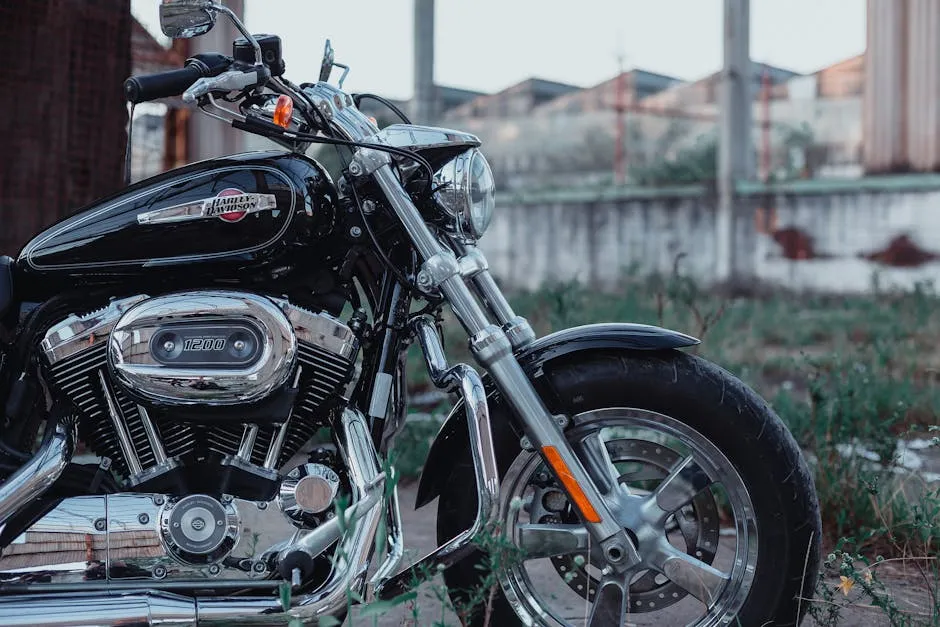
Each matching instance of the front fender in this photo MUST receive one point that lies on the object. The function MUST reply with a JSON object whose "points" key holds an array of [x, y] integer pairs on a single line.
{"points": [[453, 434]]}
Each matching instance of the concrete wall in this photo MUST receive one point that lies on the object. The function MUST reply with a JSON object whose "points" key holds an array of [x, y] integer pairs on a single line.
{"points": [[812, 235]]}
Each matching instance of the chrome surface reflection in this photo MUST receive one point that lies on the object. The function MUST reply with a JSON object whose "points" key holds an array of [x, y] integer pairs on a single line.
{"points": [[133, 365], [116, 540]]}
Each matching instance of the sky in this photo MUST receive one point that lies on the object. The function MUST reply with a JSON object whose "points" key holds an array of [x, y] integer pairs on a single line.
{"points": [[487, 45]]}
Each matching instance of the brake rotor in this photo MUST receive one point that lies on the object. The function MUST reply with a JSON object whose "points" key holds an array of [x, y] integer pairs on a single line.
{"points": [[696, 523]]}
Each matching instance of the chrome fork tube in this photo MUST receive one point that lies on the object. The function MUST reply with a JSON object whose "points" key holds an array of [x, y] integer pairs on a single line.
{"points": [[39, 473], [493, 350], [474, 266]]}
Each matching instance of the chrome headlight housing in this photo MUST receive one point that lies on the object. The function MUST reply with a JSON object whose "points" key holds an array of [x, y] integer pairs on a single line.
{"points": [[467, 192]]}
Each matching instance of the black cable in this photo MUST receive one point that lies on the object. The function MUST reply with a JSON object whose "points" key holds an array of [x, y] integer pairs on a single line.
{"points": [[401, 278], [6, 449], [261, 128], [359, 97]]}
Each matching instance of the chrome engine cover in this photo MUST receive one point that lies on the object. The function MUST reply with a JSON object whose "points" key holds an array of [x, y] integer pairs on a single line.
{"points": [[125, 538], [206, 348]]}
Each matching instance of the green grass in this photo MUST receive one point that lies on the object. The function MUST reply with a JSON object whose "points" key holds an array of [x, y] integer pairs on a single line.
{"points": [[857, 370]]}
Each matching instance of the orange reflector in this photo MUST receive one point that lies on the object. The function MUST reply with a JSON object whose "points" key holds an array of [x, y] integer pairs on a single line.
{"points": [[283, 111], [553, 457]]}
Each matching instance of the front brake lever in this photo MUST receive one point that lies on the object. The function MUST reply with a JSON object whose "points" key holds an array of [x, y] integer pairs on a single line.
{"points": [[233, 80]]}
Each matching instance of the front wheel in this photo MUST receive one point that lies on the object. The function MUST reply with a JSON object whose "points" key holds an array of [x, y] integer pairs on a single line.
{"points": [[715, 494]]}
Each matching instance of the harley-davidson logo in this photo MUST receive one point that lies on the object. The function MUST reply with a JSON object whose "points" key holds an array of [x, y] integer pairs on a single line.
{"points": [[229, 205]]}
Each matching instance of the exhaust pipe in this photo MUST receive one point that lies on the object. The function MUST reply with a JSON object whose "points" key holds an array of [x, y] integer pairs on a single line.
{"points": [[39, 473], [149, 608], [161, 609]]}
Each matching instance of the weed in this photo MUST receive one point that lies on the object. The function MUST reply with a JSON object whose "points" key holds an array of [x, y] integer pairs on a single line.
{"points": [[853, 377]]}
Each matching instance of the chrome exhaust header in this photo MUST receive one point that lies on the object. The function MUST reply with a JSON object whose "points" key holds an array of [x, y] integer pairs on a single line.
{"points": [[467, 383], [39, 473], [356, 536]]}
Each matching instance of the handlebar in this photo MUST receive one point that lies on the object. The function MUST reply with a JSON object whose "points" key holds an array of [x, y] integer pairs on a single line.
{"points": [[174, 82]]}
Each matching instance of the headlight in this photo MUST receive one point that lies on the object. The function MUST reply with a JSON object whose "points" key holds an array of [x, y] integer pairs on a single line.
{"points": [[468, 192]]}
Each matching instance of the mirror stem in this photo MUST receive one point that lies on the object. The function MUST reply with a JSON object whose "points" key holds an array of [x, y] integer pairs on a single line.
{"points": [[241, 28]]}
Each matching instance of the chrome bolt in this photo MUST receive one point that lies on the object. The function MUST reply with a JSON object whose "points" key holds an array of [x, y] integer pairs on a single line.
{"points": [[101, 524], [214, 569], [168, 346], [259, 567], [355, 169], [355, 231], [159, 572], [219, 523], [561, 421], [226, 498], [158, 499], [176, 525], [525, 443], [614, 554], [239, 345], [262, 505], [424, 280], [368, 207], [143, 518]]}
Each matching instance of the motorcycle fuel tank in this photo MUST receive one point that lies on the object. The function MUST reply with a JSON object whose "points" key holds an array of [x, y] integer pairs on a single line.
{"points": [[221, 215]]}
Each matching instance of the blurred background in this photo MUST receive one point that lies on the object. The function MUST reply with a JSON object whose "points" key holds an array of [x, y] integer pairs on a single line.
{"points": [[790, 143]]}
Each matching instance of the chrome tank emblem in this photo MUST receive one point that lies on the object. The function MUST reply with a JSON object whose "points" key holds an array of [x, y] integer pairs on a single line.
{"points": [[146, 350], [229, 205]]}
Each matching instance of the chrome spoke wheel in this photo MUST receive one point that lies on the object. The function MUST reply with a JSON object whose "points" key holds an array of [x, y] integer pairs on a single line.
{"points": [[678, 496]]}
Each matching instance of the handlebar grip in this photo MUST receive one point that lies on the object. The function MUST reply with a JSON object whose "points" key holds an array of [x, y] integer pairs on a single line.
{"points": [[162, 84]]}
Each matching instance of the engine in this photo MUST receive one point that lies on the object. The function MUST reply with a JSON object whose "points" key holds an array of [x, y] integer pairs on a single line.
{"points": [[201, 392]]}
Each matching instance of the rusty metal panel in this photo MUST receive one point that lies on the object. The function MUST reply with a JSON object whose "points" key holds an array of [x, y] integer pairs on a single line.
{"points": [[843, 79], [62, 133], [923, 84], [885, 87]]}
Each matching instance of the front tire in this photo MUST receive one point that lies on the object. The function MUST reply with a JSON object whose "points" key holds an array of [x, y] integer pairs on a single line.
{"points": [[706, 402]]}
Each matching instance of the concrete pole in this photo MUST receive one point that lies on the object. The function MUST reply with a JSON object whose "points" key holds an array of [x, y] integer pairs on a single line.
{"points": [[424, 101], [208, 137], [733, 263]]}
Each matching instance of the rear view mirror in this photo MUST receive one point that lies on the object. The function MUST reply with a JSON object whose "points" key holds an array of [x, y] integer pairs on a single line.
{"points": [[185, 19]]}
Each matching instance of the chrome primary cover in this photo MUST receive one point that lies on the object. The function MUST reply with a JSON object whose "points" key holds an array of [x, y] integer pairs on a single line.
{"points": [[207, 347]]}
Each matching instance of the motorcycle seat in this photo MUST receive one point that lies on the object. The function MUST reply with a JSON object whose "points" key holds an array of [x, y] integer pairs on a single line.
{"points": [[6, 284]]}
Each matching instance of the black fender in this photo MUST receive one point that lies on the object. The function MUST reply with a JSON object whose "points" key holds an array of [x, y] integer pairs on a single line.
{"points": [[453, 434]]}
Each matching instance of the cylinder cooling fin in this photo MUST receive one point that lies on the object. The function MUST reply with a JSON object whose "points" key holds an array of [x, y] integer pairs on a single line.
{"points": [[306, 358]]}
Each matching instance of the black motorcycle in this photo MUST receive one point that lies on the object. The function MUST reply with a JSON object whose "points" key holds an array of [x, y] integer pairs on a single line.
{"points": [[198, 330]]}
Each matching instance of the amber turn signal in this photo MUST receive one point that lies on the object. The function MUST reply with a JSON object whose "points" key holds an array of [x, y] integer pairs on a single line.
{"points": [[553, 457], [283, 111]]}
